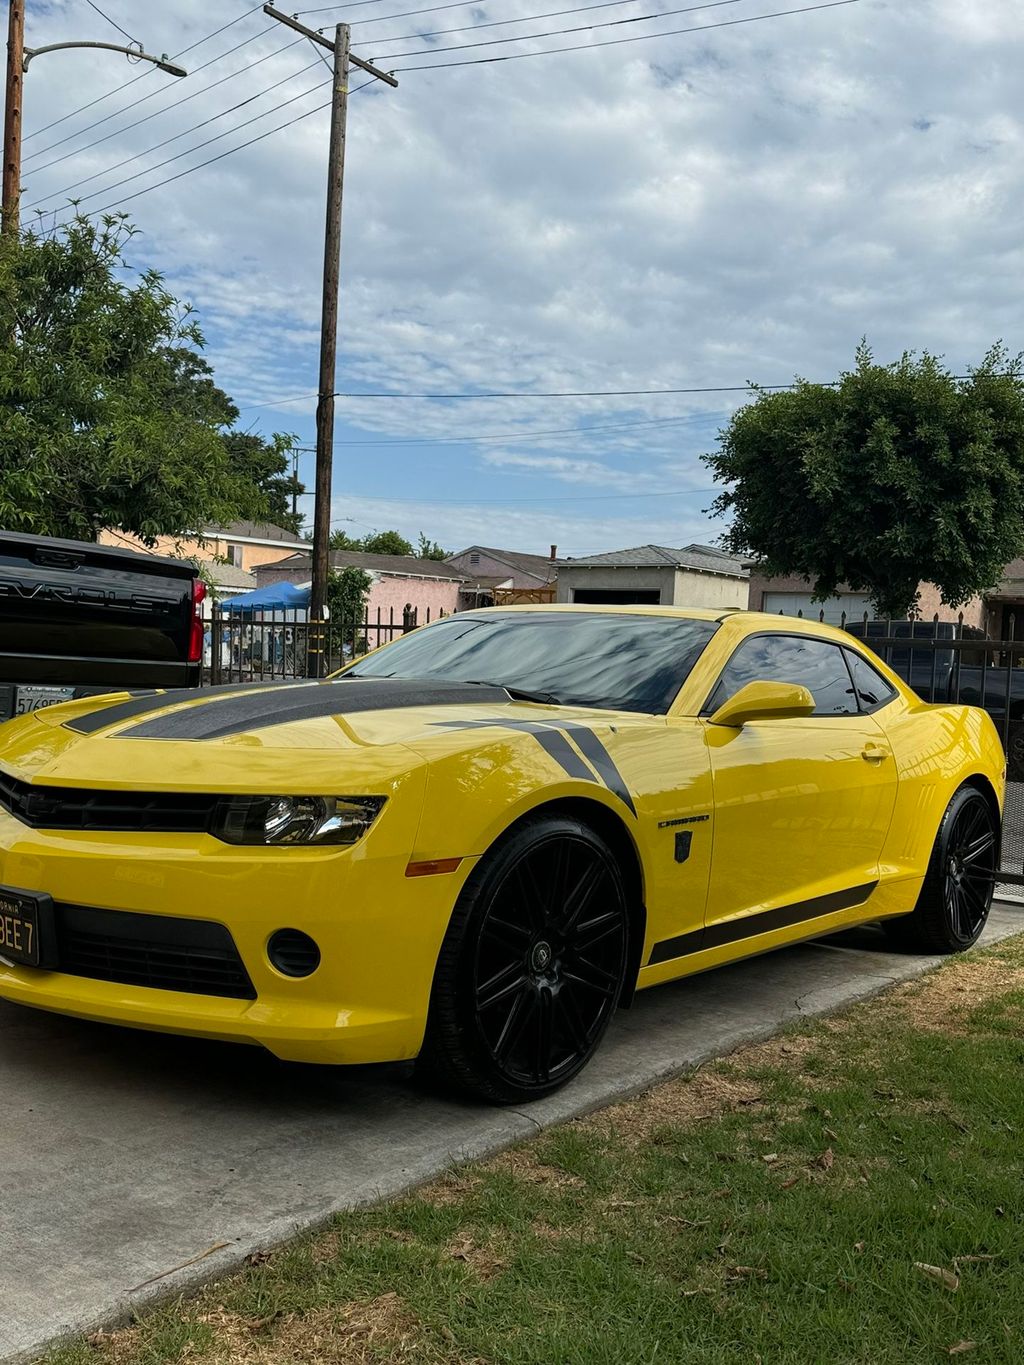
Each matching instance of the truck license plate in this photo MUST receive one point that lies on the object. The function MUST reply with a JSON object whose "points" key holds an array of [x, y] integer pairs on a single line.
{"points": [[35, 698], [19, 928]]}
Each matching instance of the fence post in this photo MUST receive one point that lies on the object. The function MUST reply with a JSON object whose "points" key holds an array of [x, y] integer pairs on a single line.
{"points": [[216, 629]]}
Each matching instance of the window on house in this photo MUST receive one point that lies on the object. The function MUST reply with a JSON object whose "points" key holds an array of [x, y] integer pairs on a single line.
{"points": [[234, 555]]}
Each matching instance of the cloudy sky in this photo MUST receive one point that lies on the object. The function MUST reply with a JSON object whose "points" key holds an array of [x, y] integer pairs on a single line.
{"points": [[695, 209]]}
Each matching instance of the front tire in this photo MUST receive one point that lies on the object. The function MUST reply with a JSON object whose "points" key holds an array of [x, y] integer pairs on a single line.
{"points": [[956, 897], [532, 965]]}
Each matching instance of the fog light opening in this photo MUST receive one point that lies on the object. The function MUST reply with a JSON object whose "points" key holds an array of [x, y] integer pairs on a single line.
{"points": [[293, 953]]}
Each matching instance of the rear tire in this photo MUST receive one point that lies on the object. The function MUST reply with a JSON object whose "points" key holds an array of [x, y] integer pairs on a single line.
{"points": [[954, 903], [532, 965]]}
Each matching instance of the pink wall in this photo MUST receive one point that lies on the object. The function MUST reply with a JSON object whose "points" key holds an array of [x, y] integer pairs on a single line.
{"points": [[437, 595]]}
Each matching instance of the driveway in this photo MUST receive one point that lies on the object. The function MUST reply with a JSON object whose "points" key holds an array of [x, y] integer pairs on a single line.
{"points": [[135, 1165]]}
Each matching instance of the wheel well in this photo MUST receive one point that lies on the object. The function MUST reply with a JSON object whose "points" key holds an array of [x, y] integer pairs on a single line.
{"points": [[981, 783], [615, 834]]}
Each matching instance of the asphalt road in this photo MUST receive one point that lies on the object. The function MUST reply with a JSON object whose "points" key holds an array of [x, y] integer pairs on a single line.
{"points": [[128, 1156]]}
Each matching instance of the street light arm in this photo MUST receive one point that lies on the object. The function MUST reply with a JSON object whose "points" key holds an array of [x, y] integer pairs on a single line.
{"points": [[133, 52]]}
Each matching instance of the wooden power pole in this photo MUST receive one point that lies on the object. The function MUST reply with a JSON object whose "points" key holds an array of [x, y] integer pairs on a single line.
{"points": [[12, 116], [343, 58]]}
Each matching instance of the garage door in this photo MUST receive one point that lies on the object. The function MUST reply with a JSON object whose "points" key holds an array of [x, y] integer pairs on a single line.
{"points": [[792, 603], [618, 597]]}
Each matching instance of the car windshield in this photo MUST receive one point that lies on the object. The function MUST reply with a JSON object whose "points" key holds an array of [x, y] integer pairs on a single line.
{"points": [[618, 662]]}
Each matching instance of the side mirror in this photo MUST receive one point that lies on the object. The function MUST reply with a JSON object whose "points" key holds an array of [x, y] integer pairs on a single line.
{"points": [[764, 701]]}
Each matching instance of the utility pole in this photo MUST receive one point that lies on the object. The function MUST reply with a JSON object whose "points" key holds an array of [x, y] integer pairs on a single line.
{"points": [[12, 115], [343, 58]]}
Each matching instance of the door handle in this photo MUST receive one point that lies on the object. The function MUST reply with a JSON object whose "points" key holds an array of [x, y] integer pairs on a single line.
{"points": [[871, 753]]}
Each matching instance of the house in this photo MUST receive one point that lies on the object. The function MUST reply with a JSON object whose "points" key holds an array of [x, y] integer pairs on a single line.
{"points": [[242, 544], [694, 576], [505, 576], [792, 596], [229, 582], [402, 585]]}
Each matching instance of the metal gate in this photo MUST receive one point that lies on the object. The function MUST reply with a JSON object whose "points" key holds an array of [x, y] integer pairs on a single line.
{"points": [[946, 661]]}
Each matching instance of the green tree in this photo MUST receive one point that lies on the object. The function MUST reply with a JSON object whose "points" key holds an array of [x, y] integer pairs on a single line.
{"points": [[109, 416], [347, 593], [386, 543], [376, 543], [895, 475], [430, 549]]}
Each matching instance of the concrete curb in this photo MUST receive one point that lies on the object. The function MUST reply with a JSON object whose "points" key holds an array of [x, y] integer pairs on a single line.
{"points": [[397, 1137]]}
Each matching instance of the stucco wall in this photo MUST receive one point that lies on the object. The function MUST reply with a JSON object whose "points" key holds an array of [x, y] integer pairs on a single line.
{"points": [[435, 595], [488, 567], [208, 549], [708, 590], [929, 604], [615, 580]]}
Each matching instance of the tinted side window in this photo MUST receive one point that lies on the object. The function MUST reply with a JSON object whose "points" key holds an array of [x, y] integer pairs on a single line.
{"points": [[814, 664], [871, 688]]}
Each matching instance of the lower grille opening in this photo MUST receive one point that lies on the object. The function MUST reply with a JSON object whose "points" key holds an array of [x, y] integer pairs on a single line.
{"points": [[159, 951]]}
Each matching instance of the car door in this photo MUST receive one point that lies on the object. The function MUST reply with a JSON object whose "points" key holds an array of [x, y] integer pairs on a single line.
{"points": [[802, 805]]}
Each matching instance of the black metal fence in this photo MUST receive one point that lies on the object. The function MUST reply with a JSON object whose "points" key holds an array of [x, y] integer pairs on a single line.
{"points": [[947, 661], [944, 661], [264, 646]]}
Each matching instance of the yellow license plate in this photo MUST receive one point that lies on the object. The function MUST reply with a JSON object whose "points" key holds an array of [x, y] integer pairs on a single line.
{"points": [[19, 928]]}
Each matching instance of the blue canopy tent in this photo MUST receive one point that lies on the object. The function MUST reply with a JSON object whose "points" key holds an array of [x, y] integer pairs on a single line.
{"points": [[274, 597]]}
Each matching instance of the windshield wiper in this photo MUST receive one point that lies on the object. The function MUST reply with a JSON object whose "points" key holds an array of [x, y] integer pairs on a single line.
{"points": [[517, 693]]}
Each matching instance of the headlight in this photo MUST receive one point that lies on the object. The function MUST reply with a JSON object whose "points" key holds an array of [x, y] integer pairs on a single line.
{"points": [[295, 819]]}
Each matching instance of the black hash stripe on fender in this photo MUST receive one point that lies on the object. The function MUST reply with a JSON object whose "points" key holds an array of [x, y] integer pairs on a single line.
{"points": [[546, 733]]}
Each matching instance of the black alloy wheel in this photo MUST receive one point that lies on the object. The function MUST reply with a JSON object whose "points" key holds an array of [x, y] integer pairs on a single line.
{"points": [[532, 966], [955, 900]]}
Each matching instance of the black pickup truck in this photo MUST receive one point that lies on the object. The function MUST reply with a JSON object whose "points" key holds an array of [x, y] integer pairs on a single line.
{"points": [[973, 671], [78, 619]]}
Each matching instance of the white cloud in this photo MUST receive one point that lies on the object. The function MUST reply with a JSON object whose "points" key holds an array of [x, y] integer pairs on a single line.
{"points": [[693, 211]]}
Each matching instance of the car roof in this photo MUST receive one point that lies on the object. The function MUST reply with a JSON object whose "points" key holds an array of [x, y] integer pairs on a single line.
{"points": [[751, 622]]}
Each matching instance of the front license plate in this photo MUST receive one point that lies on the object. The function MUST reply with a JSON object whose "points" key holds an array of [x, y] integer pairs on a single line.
{"points": [[35, 698], [19, 927]]}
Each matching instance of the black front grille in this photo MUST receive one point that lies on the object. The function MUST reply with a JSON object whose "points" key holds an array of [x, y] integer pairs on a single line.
{"points": [[74, 808], [161, 951]]}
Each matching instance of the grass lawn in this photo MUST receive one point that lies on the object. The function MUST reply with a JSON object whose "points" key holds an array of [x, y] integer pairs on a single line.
{"points": [[852, 1191]]}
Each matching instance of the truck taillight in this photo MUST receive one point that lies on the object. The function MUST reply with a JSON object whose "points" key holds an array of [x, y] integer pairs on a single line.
{"points": [[195, 639]]}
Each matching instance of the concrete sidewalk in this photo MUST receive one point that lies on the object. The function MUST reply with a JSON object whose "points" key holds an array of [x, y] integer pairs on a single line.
{"points": [[127, 1157]]}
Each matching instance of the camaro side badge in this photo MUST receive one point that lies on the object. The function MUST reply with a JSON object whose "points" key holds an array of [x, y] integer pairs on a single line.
{"points": [[552, 739]]}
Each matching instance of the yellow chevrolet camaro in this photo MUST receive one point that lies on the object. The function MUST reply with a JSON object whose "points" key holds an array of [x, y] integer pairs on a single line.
{"points": [[475, 843]]}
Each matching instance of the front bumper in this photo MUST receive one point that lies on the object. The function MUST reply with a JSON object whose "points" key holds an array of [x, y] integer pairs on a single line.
{"points": [[379, 934]]}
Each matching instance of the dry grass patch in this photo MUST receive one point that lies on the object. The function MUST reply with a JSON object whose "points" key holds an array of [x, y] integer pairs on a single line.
{"points": [[358, 1333], [943, 1001], [479, 1256], [681, 1103], [450, 1188], [523, 1163]]}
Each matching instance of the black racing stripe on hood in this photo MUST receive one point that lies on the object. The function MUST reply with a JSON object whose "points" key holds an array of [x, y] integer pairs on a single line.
{"points": [[144, 702], [257, 710]]}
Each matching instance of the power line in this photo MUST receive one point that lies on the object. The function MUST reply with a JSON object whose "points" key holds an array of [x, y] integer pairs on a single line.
{"points": [[507, 502], [108, 170], [615, 42], [142, 75], [148, 170], [204, 90], [430, 9], [98, 213], [563, 393], [524, 37], [111, 22], [517, 436], [144, 99]]}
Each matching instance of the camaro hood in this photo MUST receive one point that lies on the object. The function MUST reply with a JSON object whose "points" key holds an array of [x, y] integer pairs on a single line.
{"points": [[281, 737]]}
